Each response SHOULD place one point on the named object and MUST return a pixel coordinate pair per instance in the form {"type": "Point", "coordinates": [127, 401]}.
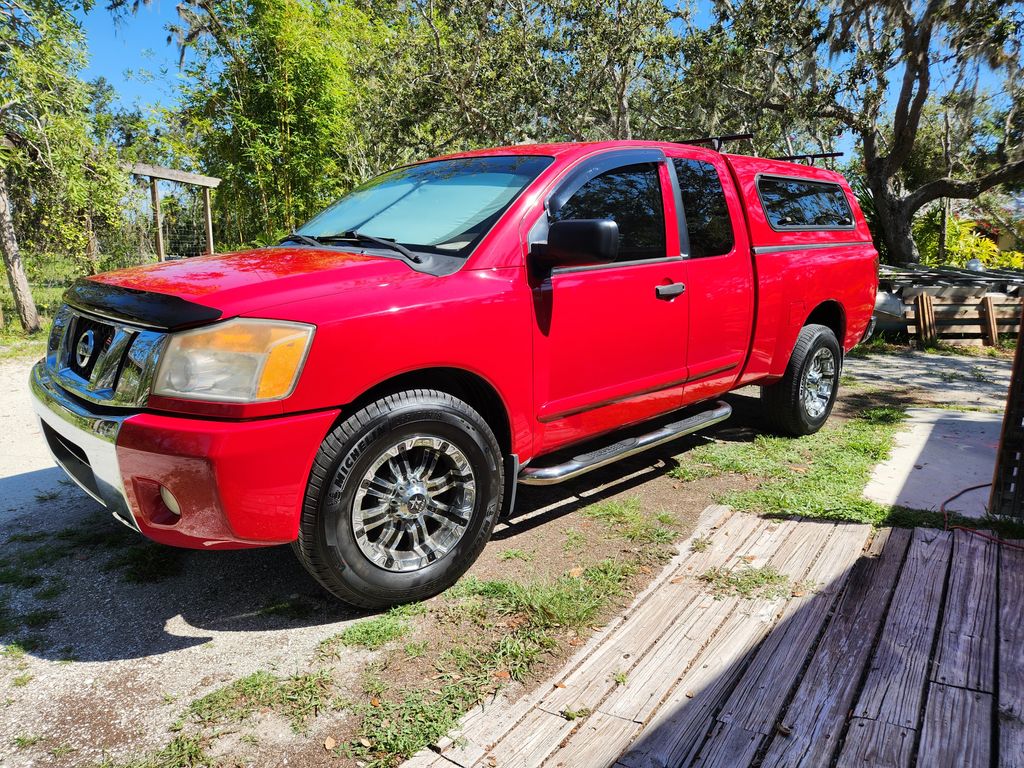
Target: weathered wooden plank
{"type": "Point", "coordinates": [957, 728]}
{"type": "Point", "coordinates": [531, 741]}
{"type": "Point", "coordinates": [988, 315]}
{"type": "Point", "coordinates": [895, 683]}
{"type": "Point", "coordinates": [1010, 721]}
{"type": "Point", "coordinates": [874, 744]}
{"type": "Point", "coordinates": [729, 744]}
{"type": "Point", "coordinates": [682, 721]}
{"type": "Point", "coordinates": [682, 598]}
{"type": "Point", "coordinates": [172, 174]}
{"type": "Point", "coordinates": [761, 693]}
{"type": "Point", "coordinates": [657, 673]}
{"type": "Point", "coordinates": [814, 719]}
{"type": "Point", "coordinates": [680, 724]}
{"type": "Point", "coordinates": [966, 652]}
{"type": "Point", "coordinates": [596, 744]}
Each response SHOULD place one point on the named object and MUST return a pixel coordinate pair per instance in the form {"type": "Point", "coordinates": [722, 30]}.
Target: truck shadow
{"type": "Point", "coordinates": [119, 597]}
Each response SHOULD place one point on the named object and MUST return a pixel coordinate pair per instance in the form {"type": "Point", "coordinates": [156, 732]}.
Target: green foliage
{"type": "Point", "coordinates": [746, 582]}
{"type": "Point", "coordinates": [963, 243]}
{"type": "Point", "coordinates": [373, 633]}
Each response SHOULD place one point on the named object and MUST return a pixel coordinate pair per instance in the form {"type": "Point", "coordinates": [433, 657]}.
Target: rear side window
{"type": "Point", "coordinates": [707, 216]}
{"type": "Point", "coordinates": [793, 203]}
{"type": "Point", "coordinates": [631, 196]}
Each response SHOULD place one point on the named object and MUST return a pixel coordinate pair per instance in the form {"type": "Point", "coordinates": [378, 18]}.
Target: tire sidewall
{"type": "Point", "coordinates": [335, 537]}
{"type": "Point", "coordinates": [823, 337]}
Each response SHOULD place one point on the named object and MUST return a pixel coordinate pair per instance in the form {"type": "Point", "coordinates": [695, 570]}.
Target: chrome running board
{"type": "Point", "coordinates": [586, 462]}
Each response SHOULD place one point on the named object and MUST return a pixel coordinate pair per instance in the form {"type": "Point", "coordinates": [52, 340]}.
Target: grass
{"type": "Point", "coordinates": [374, 633]}
{"type": "Point", "coordinates": [620, 678]}
{"type": "Point", "coordinates": [574, 541]}
{"type": "Point", "coordinates": [182, 752]}
{"type": "Point", "coordinates": [146, 563]}
{"type": "Point", "coordinates": [298, 698]}
{"type": "Point", "coordinates": [20, 681]}
{"type": "Point", "coordinates": [746, 582]}
{"type": "Point", "coordinates": [293, 607]}
{"type": "Point", "coordinates": [819, 476]}
{"type": "Point", "coordinates": [576, 714]}
{"type": "Point", "coordinates": [627, 519]}
{"type": "Point", "coordinates": [515, 554]}
{"type": "Point", "coordinates": [25, 740]}
{"type": "Point", "coordinates": [700, 544]}
{"type": "Point", "coordinates": [39, 618]}
{"type": "Point", "coordinates": [53, 590]}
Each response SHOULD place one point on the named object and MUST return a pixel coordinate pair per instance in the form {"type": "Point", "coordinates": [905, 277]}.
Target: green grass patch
{"type": "Point", "coordinates": [51, 591]}
{"type": "Point", "coordinates": [146, 563]}
{"type": "Point", "coordinates": [373, 633]}
{"type": "Point", "coordinates": [628, 520]}
{"type": "Point", "coordinates": [19, 577]}
{"type": "Point", "coordinates": [819, 476]}
{"type": "Point", "coordinates": [747, 582]}
{"type": "Point", "coordinates": [182, 752]}
{"type": "Point", "coordinates": [25, 740]}
{"type": "Point", "coordinates": [294, 607]}
{"type": "Point", "coordinates": [515, 554]}
{"type": "Point", "coordinates": [700, 544]}
{"type": "Point", "coordinates": [298, 698]}
{"type": "Point", "coordinates": [569, 601]}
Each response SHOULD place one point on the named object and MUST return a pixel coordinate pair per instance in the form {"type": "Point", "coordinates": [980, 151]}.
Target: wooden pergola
{"type": "Point", "coordinates": [155, 173]}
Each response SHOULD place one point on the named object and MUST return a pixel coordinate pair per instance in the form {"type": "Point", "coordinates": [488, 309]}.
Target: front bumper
{"type": "Point", "coordinates": [82, 443]}
{"type": "Point", "coordinates": [237, 483]}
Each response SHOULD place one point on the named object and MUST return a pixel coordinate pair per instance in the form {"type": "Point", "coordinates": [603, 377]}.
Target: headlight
{"type": "Point", "coordinates": [238, 361]}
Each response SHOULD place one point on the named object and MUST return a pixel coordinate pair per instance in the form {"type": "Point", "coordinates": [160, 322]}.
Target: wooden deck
{"type": "Point", "coordinates": [898, 649]}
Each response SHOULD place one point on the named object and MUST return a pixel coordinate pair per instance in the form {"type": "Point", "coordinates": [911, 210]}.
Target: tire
{"type": "Point", "coordinates": [442, 518]}
{"type": "Point", "coordinates": [785, 408]}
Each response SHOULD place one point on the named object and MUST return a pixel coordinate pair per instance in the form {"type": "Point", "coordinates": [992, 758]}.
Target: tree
{"type": "Point", "coordinates": [872, 67]}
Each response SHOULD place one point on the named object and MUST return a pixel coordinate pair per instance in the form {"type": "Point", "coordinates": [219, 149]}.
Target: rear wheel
{"type": "Point", "coordinates": [402, 498]}
{"type": "Point", "coordinates": [800, 402]}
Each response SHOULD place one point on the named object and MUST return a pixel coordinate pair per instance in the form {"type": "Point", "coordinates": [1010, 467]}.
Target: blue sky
{"type": "Point", "coordinates": [123, 51]}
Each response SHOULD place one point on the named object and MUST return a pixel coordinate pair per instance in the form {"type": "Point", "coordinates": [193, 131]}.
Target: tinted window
{"type": "Point", "coordinates": [630, 196]}
{"type": "Point", "coordinates": [799, 203]}
{"type": "Point", "coordinates": [444, 206]}
{"type": "Point", "coordinates": [707, 215]}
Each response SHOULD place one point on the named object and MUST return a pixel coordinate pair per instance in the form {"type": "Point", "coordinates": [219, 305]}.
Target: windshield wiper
{"type": "Point", "coordinates": [304, 239]}
{"type": "Point", "coordinates": [362, 237]}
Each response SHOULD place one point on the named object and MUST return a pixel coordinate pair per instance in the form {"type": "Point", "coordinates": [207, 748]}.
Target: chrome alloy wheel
{"type": "Point", "coordinates": [818, 382]}
{"type": "Point", "coordinates": [414, 503]}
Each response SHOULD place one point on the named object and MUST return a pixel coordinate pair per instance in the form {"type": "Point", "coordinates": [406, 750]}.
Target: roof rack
{"type": "Point", "coordinates": [809, 158]}
{"type": "Point", "coordinates": [716, 142]}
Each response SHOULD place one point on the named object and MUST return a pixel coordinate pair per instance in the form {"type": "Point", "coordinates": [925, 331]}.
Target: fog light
{"type": "Point", "coordinates": [170, 501]}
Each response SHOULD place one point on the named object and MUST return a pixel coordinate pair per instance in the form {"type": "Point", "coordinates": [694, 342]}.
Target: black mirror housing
{"type": "Point", "coordinates": [577, 241]}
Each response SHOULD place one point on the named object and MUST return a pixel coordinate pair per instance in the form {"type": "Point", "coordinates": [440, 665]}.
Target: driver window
{"type": "Point", "coordinates": [630, 196]}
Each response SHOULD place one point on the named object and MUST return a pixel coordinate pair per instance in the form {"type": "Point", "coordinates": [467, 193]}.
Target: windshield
{"type": "Point", "coordinates": [444, 207]}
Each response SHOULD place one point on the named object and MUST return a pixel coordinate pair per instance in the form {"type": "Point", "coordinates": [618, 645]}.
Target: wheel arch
{"type": "Point", "coordinates": [830, 313]}
{"type": "Point", "coordinates": [470, 387]}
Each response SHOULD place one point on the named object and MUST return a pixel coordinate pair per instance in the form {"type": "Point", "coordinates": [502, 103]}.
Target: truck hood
{"type": "Point", "coordinates": [180, 294]}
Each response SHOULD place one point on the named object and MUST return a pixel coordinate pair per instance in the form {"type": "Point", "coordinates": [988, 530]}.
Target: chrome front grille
{"type": "Point", "coordinates": [103, 361]}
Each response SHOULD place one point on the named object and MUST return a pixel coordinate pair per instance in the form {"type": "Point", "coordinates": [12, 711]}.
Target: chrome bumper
{"type": "Point", "coordinates": [82, 443]}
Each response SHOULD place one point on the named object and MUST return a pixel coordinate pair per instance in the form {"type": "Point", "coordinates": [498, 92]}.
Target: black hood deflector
{"type": "Point", "coordinates": [159, 311]}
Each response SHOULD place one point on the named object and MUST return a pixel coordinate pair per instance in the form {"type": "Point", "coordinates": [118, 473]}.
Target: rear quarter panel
{"type": "Point", "coordinates": [799, 270]}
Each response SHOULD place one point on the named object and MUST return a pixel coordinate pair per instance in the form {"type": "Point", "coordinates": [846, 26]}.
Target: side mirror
{"type": "Point", "coordinates": [577, 241]}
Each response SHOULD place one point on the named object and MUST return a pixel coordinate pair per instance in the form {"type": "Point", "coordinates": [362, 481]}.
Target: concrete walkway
{"type": "Point", "coordinates": [939, 453]}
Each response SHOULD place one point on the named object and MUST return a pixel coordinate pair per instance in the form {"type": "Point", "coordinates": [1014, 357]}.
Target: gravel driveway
{"type": "Point", "coordinates": [116, 660]}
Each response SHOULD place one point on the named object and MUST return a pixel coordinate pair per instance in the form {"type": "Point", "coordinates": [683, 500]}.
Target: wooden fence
{"type": "Point", "coordinates": [958, 315]}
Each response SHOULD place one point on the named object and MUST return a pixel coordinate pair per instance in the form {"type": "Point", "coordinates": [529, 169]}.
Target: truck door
{"type": "Point", "coordinates": [721, 276]}
{"type": "Point", "coordinates": [610, 339]}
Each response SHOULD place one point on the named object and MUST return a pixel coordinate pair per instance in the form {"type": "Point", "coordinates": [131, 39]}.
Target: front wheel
{"type": "Point", "coordinates": [403, 496]}
{"type": "Point", "coordinates": [801, 401]}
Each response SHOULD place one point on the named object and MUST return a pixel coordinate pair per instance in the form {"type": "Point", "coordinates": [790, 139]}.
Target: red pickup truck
{"type": "Point", "coordinates": [372, 388]}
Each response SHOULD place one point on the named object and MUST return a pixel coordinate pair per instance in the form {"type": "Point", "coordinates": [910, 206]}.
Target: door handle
{"type": "Point", "coordinates": [669, 291]}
